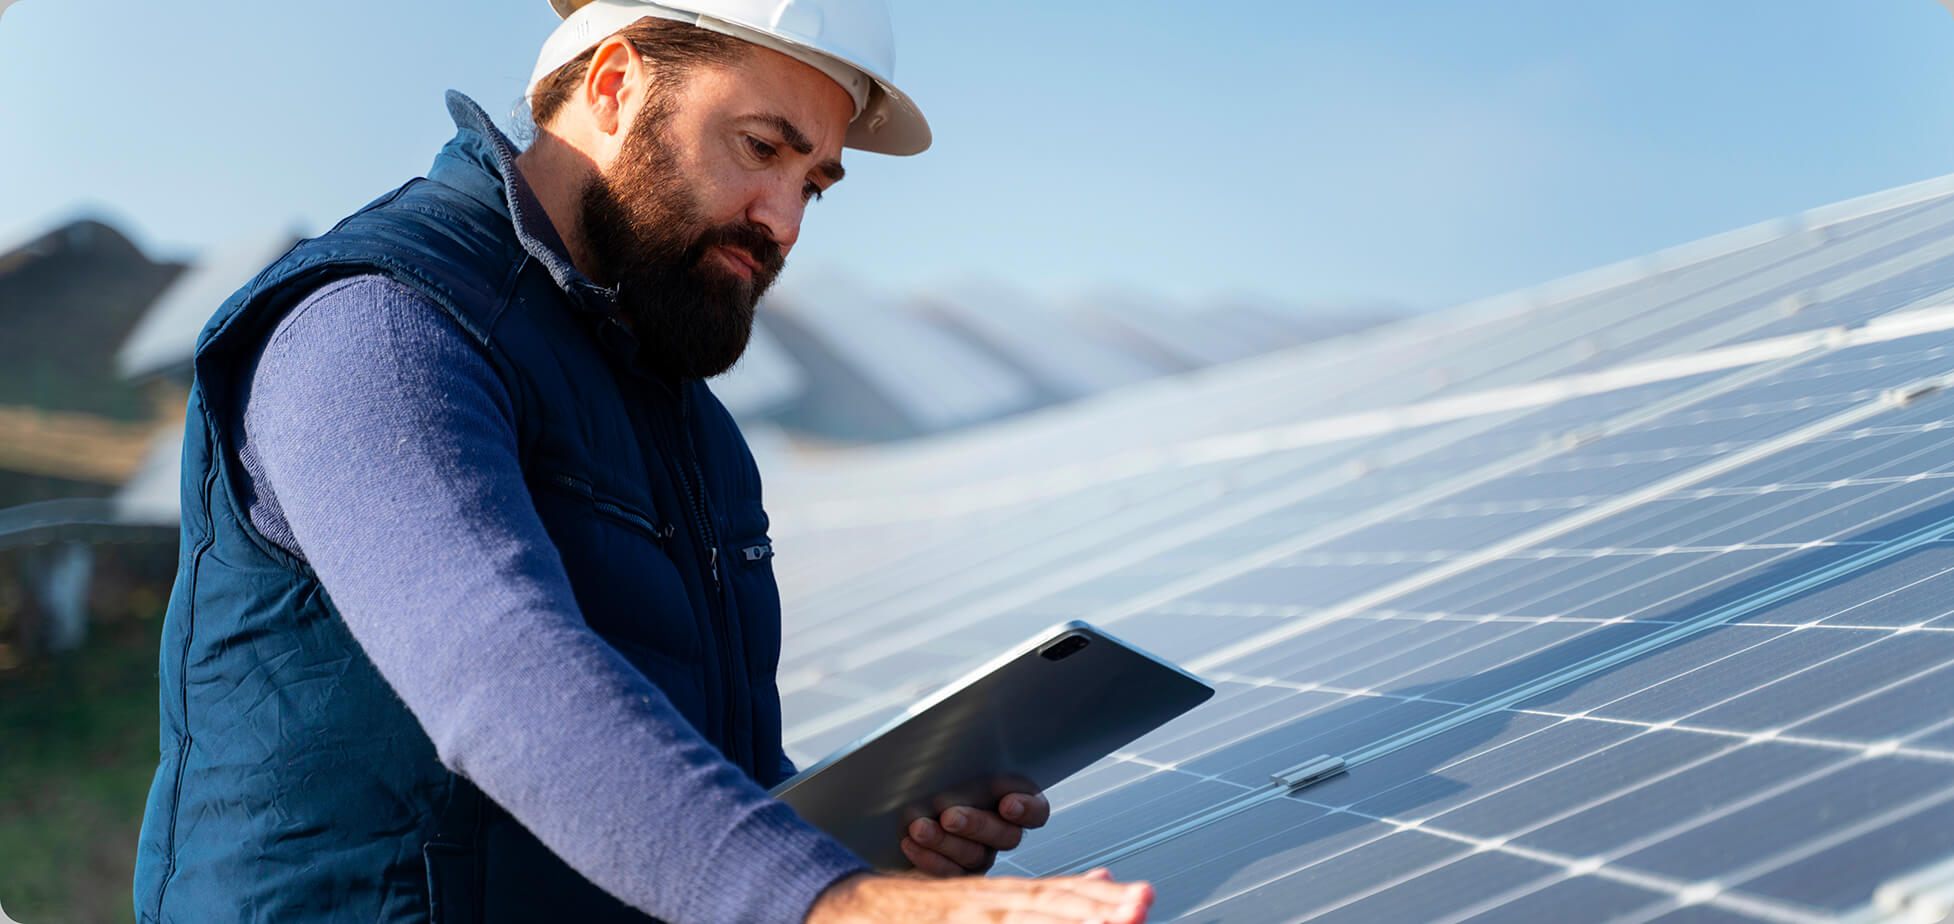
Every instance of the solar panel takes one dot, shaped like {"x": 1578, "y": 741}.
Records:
{"x": 1626, "y": 598}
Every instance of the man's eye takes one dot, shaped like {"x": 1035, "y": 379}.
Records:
{"x": 811, "y": 191}
{"x": 762, "y": 149}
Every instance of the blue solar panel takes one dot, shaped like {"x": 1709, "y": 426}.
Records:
{"x": 1664, "y": 643}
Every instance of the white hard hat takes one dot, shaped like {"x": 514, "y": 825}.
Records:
{"x": 849, "y": 40}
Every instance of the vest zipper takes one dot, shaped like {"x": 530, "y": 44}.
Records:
{"x": 695, "y": 492}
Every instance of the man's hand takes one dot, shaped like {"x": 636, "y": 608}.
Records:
{"x": 880, "y": 899}
{"x": 964, "y": 840}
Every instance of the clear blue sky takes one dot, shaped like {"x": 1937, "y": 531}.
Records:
{"x": 1428, "y": 152}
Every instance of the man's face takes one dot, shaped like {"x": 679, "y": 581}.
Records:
{"x": 694, "y": 217}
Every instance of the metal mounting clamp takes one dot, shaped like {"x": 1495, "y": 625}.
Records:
{"x": 1304, "y": 774}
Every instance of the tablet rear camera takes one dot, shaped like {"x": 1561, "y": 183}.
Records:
{"x": 1065, "y": 647}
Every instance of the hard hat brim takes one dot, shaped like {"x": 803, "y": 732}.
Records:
{"x": 892, "y": 124}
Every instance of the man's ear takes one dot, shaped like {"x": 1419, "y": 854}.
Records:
{"x": 613, "y": 77}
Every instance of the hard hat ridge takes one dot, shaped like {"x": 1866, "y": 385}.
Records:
{"x": 848, "y": 40}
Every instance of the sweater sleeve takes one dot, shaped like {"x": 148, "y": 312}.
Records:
{"x": 390, "y": 448}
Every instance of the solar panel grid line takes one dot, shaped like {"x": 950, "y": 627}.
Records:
{"x": 1767, "y": 624}
{"x": 1526, "y": 691}
{"x": 1543, "y": 554}
{"x": 1879, "y": 749}
{"x": 1558, "y": 527}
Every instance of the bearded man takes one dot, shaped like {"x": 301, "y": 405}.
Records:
{"x": 475, "y": 617}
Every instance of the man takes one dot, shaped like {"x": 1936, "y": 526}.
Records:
{"x": 474, "y": 618}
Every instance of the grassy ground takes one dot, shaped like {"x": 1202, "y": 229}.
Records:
{"x": 77, "y": 747}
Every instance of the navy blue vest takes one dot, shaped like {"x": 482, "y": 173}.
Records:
{"x": 293, "y": 784}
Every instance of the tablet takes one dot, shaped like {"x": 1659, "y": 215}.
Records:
{"x": 1034, "y": 716}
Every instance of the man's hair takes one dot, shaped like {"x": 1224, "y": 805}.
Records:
{"x": 673, "y": 48}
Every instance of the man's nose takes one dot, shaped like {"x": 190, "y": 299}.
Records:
{"x": 780, "y": 213}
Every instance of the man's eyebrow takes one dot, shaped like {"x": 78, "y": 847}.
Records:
{"x": 789, "y": 132}
{"x": 796, "y": 139}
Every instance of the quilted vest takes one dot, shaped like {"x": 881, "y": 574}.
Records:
{"x": 293, "y": 785}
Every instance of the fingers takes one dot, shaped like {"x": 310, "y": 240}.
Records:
{"x": 985, "y": 828}
{"x": 1078, "y": 899}
{"x": 1093, "y": 897}
{"x": 1026, "y": 810}
{"x": 967, "y": 854}
{"x": 929, "y": 862}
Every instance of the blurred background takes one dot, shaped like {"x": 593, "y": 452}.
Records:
{"x": 1119, "y": 194}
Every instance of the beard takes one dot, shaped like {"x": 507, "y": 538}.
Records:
{"x": 692, "y": 316}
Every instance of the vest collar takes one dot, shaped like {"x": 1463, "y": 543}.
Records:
{"x": 480, "y": 162}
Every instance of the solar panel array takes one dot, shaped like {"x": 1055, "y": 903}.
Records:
{"x": 1630, "y": 597}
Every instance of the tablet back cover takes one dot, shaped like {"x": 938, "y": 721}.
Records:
{"x": 1021, "y": 723}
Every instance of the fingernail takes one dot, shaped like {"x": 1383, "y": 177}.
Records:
{"x": 955, "y": 821}
{"x": 920, "y": 830}
{"x": 1012, "y": 809}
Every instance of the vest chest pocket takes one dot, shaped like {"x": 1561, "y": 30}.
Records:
{"x": 750, "y": 574}
{"x": 614, "y": 552}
